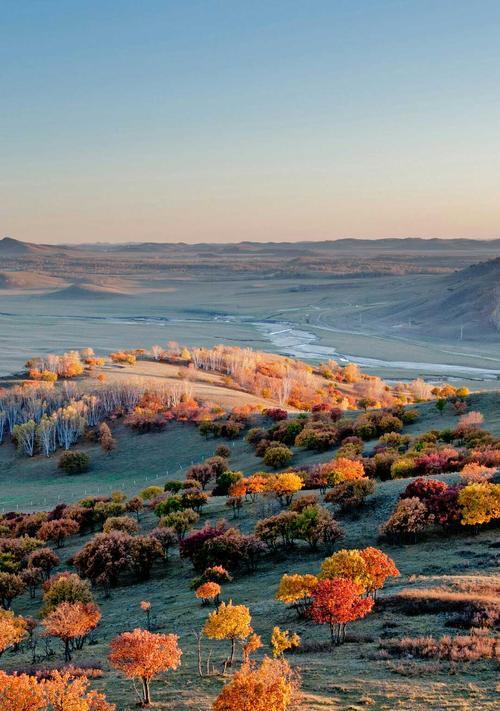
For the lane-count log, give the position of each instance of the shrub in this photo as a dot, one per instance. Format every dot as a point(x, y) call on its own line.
point(224, 482)
point(74, 462)
point(150, 492)
point(143, 551)
point(479, 503)
point(45, 559)
point(166, 537)
point(58, 530)
point(403, 468)
point(121, 523)
point(102, 559)
point(350, 494)
point(11, 586)
point(173, 486)
point(65, 587)
point(269, 687)
point(467, 648)
point(304, 502)
point(277, 457)
point(409, 518)
point(316, 525)
point(168, 505)
point(180, 521)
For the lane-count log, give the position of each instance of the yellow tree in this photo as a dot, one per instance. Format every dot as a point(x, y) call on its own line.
point(348, 564)
point(12, 629)
point(229, 622)
point(142, 655)
point(479, 503)
point(281, 640)
point(285, 485)
point(297, 590)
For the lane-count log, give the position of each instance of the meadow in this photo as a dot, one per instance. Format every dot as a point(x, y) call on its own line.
point(359, 674)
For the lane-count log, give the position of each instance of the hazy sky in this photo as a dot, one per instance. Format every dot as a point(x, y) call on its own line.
point(263, 119)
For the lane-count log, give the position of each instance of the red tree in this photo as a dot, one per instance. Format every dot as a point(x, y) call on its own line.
point(337, 602)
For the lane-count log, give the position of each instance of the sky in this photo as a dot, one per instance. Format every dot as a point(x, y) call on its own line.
point(195, 121)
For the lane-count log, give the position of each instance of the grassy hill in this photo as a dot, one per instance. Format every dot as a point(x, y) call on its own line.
point(355, 676)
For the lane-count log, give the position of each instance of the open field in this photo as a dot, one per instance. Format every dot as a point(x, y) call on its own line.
point(354, 676)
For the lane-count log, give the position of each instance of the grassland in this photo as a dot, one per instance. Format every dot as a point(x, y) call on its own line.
point(354, 676)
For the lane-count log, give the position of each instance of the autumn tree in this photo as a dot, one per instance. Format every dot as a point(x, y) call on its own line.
point(102, 559)
point(230, 622)
point(45, 559)
point(60, 691)
point(343, 469)
point(297, 590)
point(336, 603)
point(285, 485)
point(180, 521)
point(58, 530)
point(12, 629)
point(410, 517)
point(21, 692)
point(347, 564)
point(65, 587)
point(379, 567)
point(106, 439)
point(207, 592)
point(11, 586)
point(282, 640)
point(278, 456)
point(268, 687)
point(142, 655)
point(120, 523)
point(71, 623)
point(479, 503)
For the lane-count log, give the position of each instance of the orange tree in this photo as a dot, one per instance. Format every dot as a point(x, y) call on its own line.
point(229, 622)
point(379, 567)
point(72, 622)
point(268, 687)
point(142, 655)
point(343, 469)
point(12, 629)
point(59, 692)
point(337, 602)
point(208, 591)
point(20, 692)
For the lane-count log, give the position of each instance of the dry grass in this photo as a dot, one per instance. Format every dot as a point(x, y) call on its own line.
point(464, 648)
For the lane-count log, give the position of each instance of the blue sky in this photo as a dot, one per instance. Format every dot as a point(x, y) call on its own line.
point(223, 121)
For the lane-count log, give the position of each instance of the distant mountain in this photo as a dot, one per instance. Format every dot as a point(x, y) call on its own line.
point(469, 298)
point(13, 247)
point(85, 291)
point(29, 280)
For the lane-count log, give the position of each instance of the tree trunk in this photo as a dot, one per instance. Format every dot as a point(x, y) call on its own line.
point(145, 692)
point(67, 651)
point(233, 646)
